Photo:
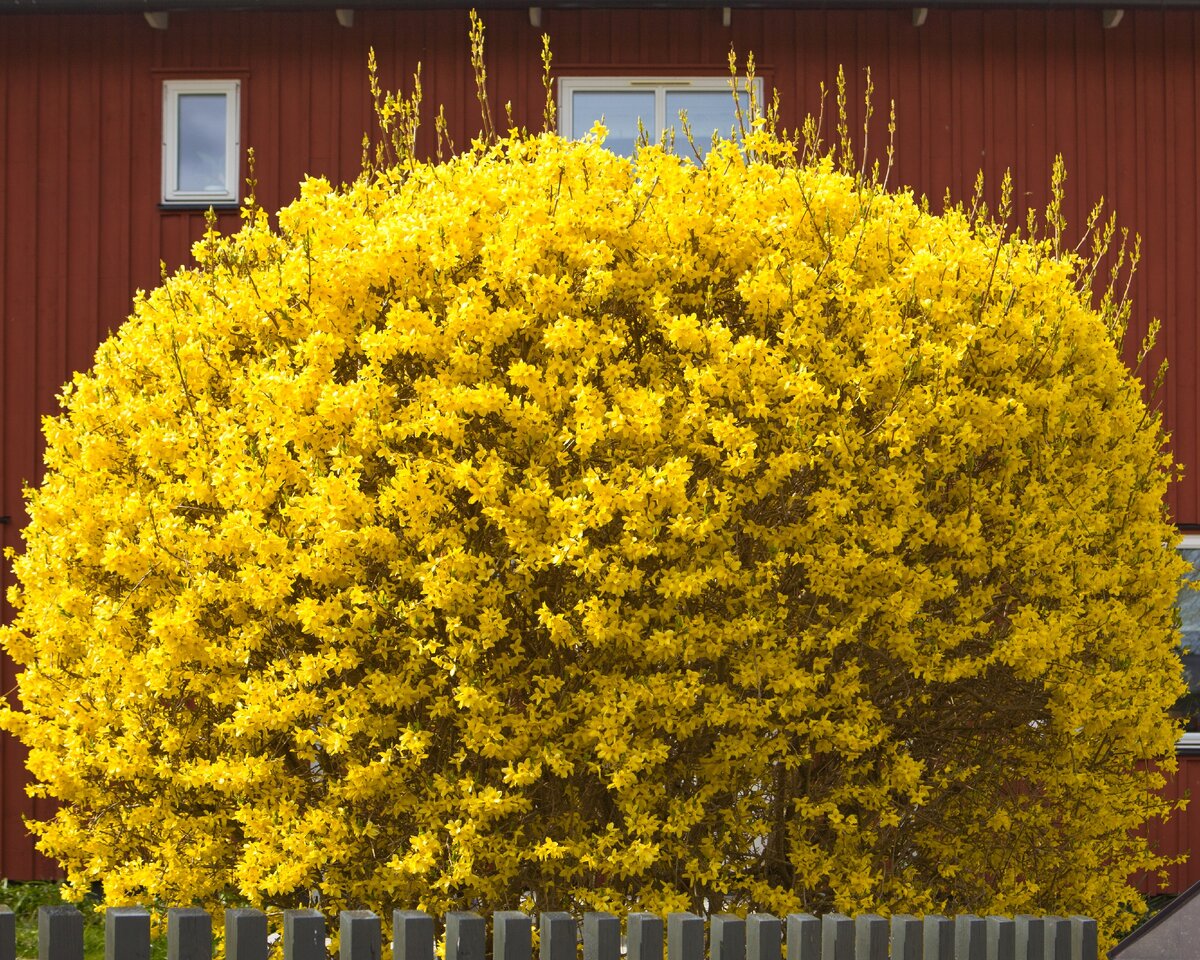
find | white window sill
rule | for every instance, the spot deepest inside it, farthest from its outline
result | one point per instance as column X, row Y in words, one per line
column 1188, row 745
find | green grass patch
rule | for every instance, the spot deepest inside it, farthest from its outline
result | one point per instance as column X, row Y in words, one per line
column 24, row 898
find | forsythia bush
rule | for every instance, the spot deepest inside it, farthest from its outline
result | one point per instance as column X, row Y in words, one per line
column 541, row 526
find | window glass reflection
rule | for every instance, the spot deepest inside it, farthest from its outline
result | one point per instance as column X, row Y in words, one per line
column 202, row 128
column 1189, row 616
column 708, row 112
column 619, row 109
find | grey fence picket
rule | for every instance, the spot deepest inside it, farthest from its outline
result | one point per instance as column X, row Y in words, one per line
column 412, row 935
column 1084, row 939
column 1030, row 937
column 512, row 935
column 970, row 937
column 803, row 937
column 870, row 937
column 8, row 934
column 837, row 937
column 303, row 935
column 937, row 942
column 361, row 935
column 189, row 934
column 764, row 937
column 126, row 933
column 727, row 937
column 1058, row 938
column 907, row 937
column 1051, row 946
column 685, row 937
column 466, row 936
column 601, row 937
column 644, row 937
column 60, row 933
column 1001, row 938
column 245, row 934
column 557, row 936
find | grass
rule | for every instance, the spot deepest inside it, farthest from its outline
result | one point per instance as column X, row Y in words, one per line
column 24, row 898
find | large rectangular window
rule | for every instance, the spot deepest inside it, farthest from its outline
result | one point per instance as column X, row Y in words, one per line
column 201, row 143
column 1189, row 616
column 655, row 102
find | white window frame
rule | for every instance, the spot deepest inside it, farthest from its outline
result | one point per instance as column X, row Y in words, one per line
column 1189, row 743
column 568, row 86
column 172, row 90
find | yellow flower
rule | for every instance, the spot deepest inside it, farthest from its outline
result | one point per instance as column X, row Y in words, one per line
column 620, row 531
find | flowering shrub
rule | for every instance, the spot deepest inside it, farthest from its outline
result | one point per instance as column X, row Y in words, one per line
column 541, row 524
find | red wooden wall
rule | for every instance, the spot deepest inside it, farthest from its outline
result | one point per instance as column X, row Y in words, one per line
column 80, row 118
column 1180, row 834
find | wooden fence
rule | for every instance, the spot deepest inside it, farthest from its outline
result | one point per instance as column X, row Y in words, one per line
column 758, row 937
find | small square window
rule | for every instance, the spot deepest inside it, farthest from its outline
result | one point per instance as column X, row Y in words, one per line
column 621, row 102
column 201, row 145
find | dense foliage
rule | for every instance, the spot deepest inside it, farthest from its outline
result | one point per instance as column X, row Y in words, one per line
column 541, row 525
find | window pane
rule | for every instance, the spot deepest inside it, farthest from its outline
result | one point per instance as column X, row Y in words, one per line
column 620, row 110
column 202, row 143
column 1189, row 615
column 708, row 111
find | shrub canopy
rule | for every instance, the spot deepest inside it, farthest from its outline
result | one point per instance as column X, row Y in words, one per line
column 547, row 526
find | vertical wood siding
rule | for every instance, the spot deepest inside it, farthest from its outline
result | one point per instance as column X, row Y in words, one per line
column 1178, row 835
column 80, row 119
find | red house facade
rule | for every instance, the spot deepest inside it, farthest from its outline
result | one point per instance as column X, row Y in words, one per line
column 123, row 120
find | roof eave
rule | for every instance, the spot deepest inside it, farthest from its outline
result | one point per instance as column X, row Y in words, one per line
column 143, row 6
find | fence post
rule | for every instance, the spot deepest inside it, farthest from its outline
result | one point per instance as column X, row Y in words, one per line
column 512, row 935
column 1030, row 937
column 1002, row 939
column 644, row 937
column 870, row 937
column 8, row 934
column 245, row 934
column 803, row 937
column 126, row 933
column 189, row 934
column 60, row 933
column 970, row 937
column 685, row 937
column 727, row 937
column 938, row 938
column 466, row 936
column 558, row 936
column 303, row 935
column 1084, row 945
column 361, row 935
column 412, row 935
column 1058, row 939
column 907, row 937
column 837, row 937
column 764, row 937
column 601, row 937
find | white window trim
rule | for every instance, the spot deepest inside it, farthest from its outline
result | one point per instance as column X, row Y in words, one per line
column 568, row 86
column 172, row 89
